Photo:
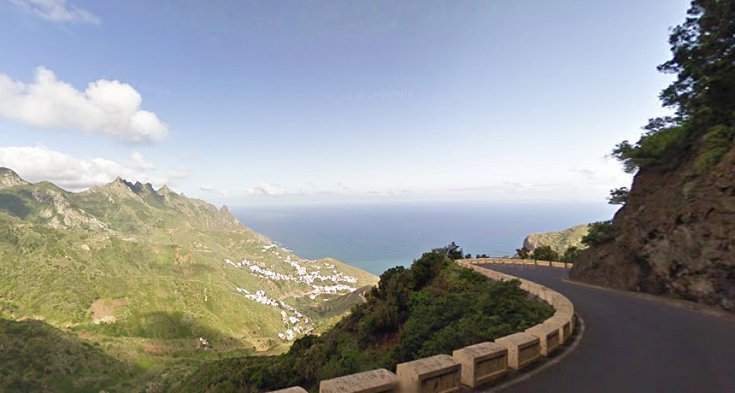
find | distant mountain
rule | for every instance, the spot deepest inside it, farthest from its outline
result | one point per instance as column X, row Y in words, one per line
column 559, row 241
column 148, row 272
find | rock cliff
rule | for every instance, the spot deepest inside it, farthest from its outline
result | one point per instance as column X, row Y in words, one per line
column 674, row 236
column 559, row 241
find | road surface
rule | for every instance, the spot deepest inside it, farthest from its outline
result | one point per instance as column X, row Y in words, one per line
column 634, row 343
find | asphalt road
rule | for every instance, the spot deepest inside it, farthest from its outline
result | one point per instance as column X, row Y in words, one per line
column 633, row 343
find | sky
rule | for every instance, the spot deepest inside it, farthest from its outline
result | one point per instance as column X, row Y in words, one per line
column 282, row 102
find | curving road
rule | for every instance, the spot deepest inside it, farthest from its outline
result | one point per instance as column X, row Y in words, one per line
column 635, row 343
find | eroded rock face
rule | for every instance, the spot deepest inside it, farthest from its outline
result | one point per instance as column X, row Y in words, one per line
column 559, row 241
column 61, row 214
column 675, row 236
column 8, row 179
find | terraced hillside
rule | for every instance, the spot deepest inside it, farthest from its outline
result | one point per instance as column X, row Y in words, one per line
column 156, row 279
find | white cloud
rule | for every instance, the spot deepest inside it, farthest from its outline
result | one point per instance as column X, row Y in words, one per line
column 344, row 188
column 59, row 11
column 140, row 163
column 38, row 163
column 216, row 191
column 266, row 189
column 105, row 107
column 178, row 174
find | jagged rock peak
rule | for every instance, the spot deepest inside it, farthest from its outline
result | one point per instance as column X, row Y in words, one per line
column 139, row 188
column 8, row 178
column 120, row 180
column 224, row 211
column 164, row 191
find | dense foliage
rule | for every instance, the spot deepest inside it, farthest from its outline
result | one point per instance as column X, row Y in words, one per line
column 599, row 233
column 571, row 254
column 618, row 196
column 703, row 95
column 544, row 253
column 433, row 307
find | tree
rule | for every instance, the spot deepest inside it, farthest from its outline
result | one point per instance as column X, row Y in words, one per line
column 571, row 254
column 703, row 94
column 453, row 251
column 618, row 196
column 545, row 253
column 522, row 253
column 703, row 50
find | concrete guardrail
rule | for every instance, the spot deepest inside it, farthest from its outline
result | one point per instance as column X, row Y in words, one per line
column 519, row 261
column 477, row 364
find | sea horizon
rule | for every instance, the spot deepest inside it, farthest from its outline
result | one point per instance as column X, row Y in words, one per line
column 375, row 236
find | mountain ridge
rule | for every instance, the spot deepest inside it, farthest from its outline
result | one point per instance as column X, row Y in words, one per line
column 123, row 262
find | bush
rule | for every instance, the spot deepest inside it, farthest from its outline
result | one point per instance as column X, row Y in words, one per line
column 663, row 145
column 715, row 143
column 599, row 233
column 571, row 254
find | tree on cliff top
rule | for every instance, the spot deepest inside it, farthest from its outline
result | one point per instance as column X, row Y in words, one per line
column 703, row 94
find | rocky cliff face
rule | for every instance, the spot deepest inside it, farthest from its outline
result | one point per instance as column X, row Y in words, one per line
column 8, row 178
column 559, row 241
column 674, row 236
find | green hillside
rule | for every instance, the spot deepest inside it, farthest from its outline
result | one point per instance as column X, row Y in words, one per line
column 38, row 357
column 434, row 307
column 146, row 273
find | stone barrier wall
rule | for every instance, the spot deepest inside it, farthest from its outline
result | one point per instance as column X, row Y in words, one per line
column 519, row 261
column 482, row 363
column 477, row 364
column 440, row 373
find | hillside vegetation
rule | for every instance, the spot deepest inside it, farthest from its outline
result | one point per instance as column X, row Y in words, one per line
column 146, row 273
column 37, row 357
column 674, row 233
column 433, row 307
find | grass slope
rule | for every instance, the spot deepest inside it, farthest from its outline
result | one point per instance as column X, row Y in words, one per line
column 36, row 356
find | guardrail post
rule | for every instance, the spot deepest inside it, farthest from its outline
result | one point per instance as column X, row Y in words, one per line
column 375, row 381
column 482, row 363
column 435, row 374
column 523, row 349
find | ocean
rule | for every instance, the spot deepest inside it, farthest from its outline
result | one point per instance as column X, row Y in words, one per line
column 375, row 237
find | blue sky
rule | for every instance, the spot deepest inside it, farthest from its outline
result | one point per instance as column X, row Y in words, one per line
column 290, row 101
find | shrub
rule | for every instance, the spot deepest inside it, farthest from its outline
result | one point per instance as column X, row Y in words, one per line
column 663, row 145
column 715, row 143
column 545, row 253
column 599, row 233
